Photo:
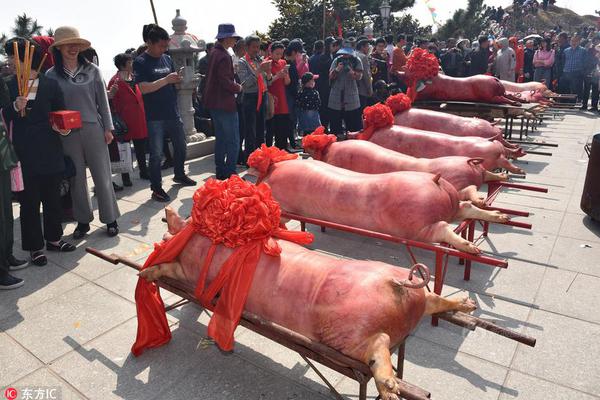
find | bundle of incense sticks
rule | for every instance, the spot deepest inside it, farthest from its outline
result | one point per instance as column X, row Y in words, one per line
column 24, row 72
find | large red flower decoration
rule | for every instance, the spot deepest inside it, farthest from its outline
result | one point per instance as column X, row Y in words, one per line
column 375, row 117
column 261, row 159
column 317, row 142
column 422, row 65
column 398, row 103
column 234, row 212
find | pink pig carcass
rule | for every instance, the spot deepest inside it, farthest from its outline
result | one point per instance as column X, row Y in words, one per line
column 326, row 299
column 412, row 205
column 465, row 174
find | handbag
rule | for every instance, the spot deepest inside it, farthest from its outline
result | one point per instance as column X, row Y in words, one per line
column 120, row 127
column 8, row 156
column 122, row 162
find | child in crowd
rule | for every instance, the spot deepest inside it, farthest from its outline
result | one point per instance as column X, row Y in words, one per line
column 308, row 103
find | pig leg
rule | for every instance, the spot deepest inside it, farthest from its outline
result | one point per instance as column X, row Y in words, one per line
column 379, row 359
column 174, row 221
column 435, row 304
column 492, row 176
column 172, row 270
column 470, row 193
column 504, row 163
column 441, row 232
column 469, row 211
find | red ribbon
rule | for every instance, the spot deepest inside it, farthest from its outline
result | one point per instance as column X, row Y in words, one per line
column 259, row 80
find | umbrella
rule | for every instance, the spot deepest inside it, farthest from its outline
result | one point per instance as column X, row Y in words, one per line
column 534, row 36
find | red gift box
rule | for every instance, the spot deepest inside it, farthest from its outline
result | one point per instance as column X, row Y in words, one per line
column 66, row 119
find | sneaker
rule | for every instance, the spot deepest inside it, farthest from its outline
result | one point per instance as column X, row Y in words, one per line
column 166, row 164
column 10, row 282
column 112, row 229
column 184, row 180
column 14, row 264
column 160, row 195
column 117, row 187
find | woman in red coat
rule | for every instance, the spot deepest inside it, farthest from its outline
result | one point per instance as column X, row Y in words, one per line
column 126, row 102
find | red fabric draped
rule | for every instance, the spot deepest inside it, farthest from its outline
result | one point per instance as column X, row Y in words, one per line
column 375, row 117
column 261, row 159
column 317, row 142
column 398, row 103
column 259, row 79
column 233, row 213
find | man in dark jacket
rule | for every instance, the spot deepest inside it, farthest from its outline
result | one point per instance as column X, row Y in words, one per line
column 452, row 59
column 219, row 98
column 332, row 45
column 590, row 79
column 528, row 61
column 559, row 63
column 478, row 60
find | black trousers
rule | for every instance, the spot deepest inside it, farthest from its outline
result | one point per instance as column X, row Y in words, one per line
column 281, row 127
column 590, row 83
column 252, row 132
column 6, row 222
column 139, row 146
column 352, row 121
column 42, row 189
column 573, row 82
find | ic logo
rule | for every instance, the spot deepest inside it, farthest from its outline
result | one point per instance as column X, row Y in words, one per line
column 11, row 393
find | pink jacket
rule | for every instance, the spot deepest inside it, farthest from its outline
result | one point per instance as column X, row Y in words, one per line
column 543, row 58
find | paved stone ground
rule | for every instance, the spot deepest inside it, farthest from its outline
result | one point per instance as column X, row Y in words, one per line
column 73, row 323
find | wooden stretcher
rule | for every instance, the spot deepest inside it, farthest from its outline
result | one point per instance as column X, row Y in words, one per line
column 309, row 349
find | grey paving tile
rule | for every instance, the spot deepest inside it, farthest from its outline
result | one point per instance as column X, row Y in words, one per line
column 542, row 220
column 566, row 351
column 92, row 267
column 445, row 373
column 528, row 387
column 570, row 293
column 556, row 201
column 43, row 379
column 479, row 343
column 517, row 283
column 49, row 329
column 41, row 284
column 527, row 246
column 16, row 361
column 581, row 227
column 576, row 255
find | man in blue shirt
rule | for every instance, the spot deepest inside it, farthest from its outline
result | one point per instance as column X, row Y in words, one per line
column 155, row 74
column 574, row 67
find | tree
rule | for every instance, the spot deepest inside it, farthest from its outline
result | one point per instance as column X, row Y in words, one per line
column 26, row 27
column 304, row 19
column 467, row 23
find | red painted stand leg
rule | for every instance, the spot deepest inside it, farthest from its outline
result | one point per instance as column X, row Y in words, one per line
column 303, row 226
column 470, row 236
column 463, row 234
column 439, row 280
column 486, row 228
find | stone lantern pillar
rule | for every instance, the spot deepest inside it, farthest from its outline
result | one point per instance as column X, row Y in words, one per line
column 183, row 48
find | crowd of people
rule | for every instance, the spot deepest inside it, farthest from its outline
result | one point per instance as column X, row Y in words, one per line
column 253, row 91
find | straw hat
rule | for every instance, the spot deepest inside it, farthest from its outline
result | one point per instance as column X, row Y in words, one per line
column 69, row 35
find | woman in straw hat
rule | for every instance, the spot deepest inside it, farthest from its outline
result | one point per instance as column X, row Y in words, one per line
column 84, row 91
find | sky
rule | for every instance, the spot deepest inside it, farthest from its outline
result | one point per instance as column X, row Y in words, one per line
column 117, row 24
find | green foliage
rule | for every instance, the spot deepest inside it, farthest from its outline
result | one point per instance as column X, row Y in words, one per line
column 304, row 18
column 467, row 23
column 24, row 26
